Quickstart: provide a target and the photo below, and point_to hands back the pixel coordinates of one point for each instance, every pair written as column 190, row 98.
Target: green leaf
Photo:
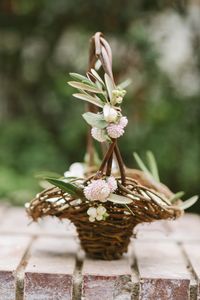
column 176, row 196
column 103, row 97
column 98, row 64
column 95, row 120
column 118, row 199
column 96, row 101
column 109, row 85
column 105, row 216
column 82, row 79
column 70, row 178
column 141, row 164
column 188, row 203
column 124, row 84
column 92, row 84
column 153, row 165
column 78, row 76
column 85, row 87
column 156, row 198
column 65, row 186
column 96, row 75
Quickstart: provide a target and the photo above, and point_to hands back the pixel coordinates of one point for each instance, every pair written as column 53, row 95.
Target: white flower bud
column 117, row 96
column 98, row 213
column 91, row 219
column 110, row 114
column 92, row 212
column 101, row 210
column 76, row 170
column 119, row 99
column 99, row 217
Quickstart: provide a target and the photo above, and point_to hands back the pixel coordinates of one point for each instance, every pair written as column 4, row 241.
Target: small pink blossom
column 115, row 131
column 112, row 183
column 123, row 122
column 97, row 190
column 98, row 134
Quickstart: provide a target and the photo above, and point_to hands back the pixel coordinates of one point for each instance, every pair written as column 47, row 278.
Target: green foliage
column 118, row 199
column 95, row 120
column 67, row 187
column 176, row 196
column 141, row 165
column 190, row 202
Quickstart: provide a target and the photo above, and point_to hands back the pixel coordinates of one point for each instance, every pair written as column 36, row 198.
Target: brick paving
column 44, row 262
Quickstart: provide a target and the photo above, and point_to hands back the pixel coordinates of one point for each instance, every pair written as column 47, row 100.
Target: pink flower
column 98, row 134
column 115, row 131
column 123, row 122
column 112, row 183
column 97, row 190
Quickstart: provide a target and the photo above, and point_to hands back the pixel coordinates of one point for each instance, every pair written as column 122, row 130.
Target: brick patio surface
column 44, row 262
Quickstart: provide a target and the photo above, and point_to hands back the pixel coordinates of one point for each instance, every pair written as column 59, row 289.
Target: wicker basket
column 106, row 239
column 110, row 238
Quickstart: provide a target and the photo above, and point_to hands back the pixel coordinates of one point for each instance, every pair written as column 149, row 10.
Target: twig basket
column 133, row 200
column 107, row 239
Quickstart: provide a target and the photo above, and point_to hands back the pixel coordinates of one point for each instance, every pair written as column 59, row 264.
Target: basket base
column 105, row 254
column 106, row 242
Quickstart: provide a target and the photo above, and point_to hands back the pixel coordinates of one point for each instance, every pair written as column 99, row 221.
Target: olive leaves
column 95, row 120
column 188, row 203
column 85, row 87
column 67, row 187
column 94, row 100
column 152, row 170
column 118, row 199
column 91, row 90
column 109, row 85
column 103, row 93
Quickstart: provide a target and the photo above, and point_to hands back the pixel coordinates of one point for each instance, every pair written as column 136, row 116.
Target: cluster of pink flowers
column 100, row 189
column 113, row 130
column 116, row 130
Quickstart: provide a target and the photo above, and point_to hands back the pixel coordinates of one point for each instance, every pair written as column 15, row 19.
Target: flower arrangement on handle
column 106, row 205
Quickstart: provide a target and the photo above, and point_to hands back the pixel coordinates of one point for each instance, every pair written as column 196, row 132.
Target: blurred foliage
column 40, row 123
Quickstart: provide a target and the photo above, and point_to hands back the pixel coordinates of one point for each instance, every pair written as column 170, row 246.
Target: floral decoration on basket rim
column 107, row 202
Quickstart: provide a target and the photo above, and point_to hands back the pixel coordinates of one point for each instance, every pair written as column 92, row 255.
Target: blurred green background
column 155, row 43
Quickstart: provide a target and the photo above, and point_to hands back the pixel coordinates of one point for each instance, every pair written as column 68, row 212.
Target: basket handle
column 101, row 50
